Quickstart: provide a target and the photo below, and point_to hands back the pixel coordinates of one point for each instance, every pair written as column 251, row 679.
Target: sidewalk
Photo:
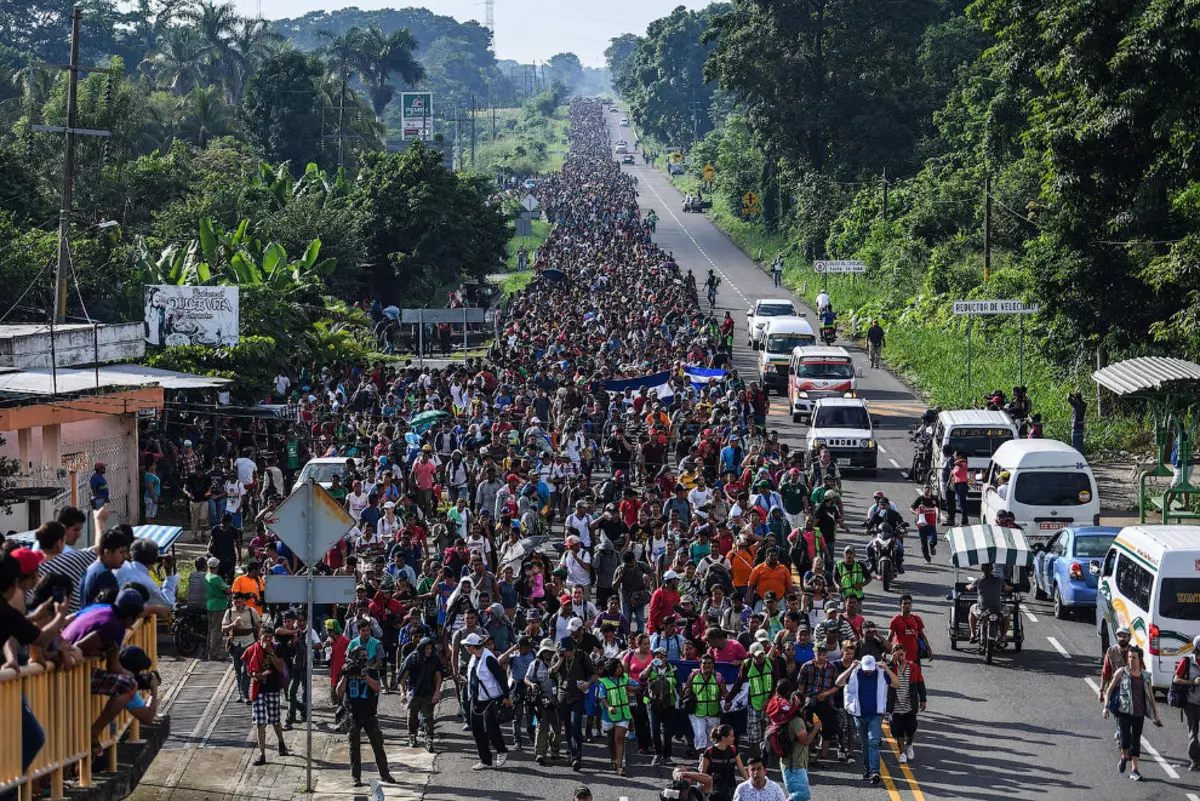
column 208, row 755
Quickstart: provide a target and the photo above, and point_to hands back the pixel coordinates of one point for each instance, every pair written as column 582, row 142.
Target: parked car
column 1064, row 570
column 322, row 470
column 624, row 122
column 530, row 184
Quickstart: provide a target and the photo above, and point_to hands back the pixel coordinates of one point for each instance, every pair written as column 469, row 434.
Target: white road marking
column 895, row 464
column 882, row 449
column 1092, row 683
column 1162, row 763
column 1193, row 797
column 1058, row 647
column 1030, row 615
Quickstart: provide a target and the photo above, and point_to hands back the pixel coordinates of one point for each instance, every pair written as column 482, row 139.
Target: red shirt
column 906, row 631
column 732, row 652
column 629, row 511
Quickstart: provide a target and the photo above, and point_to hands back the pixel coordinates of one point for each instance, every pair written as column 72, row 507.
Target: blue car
column 1063, row 571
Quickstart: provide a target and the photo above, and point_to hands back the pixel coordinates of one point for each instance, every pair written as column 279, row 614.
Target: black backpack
column 658, row 690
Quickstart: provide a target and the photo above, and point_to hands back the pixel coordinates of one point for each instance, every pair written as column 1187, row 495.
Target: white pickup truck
column 758, row 315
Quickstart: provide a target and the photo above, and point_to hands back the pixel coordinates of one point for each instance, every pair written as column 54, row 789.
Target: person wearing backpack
column 759, row 673
column 662, row 699
column 802, row 731
column 1185, row 693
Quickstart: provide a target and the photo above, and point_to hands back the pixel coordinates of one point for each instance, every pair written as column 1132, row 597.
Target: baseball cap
column 213, row 563
column 187, row 443
column 868, row 663
column 821, row 646
column 832, row 606
column 582, row 792
column 28, row 559
column 762, row 636
column 129, row 602
column 1125, row 630
column 568, row 645
column 472, row 640
column 757, row 649
column 135, row 660
column 575, row 625
column 670, row 575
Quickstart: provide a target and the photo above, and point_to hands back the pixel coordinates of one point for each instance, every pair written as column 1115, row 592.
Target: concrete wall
column 27, row 347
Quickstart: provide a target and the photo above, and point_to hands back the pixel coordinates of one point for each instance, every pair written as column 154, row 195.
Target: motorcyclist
column 828, row 319
column 887, row 523
column 989, row 589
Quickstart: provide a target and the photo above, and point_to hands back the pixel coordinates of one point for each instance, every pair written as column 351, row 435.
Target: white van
column 781, row 336
column 976, row 434
column 1150, row 582
column 1050, row 486
column 819, row 372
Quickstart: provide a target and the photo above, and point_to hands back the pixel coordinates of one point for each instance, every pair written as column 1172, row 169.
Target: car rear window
column 1052, row 488
column 1093, row 546
column 1179, row 598
column 775, row 310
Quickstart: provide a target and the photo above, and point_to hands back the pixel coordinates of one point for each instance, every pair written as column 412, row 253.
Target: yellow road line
column 893, row 793
column 904, row 768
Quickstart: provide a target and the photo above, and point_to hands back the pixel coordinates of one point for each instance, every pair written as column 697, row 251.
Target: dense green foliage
column 1082, row 113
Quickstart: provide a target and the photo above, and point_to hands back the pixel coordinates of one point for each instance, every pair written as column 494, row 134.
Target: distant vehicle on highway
column 627, row 158
column 1068, row 569
column 624, row 122
column 322, row 470
column 614, row 109
column 530, row 184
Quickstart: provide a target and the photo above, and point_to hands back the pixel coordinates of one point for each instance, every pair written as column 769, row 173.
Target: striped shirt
column 904, row 700
column 72, row 564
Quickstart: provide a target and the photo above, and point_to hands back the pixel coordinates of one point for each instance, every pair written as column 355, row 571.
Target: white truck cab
column 816, row 372
column 781, row 336
column 976, row 434
column 758, row 315
column 844, row 427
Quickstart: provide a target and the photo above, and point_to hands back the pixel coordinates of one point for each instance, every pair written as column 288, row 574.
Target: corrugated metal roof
column 1145, row 374
column 80, row 379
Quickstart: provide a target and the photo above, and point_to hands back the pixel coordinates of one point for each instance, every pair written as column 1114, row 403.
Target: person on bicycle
column 989, row 588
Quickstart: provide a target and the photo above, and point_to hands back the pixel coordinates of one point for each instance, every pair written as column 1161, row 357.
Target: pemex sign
column 416, row 115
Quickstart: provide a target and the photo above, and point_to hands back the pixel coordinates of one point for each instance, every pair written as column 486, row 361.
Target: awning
column 80, row 379
column 163, row 536
column 1145, row 374
column 977, row 545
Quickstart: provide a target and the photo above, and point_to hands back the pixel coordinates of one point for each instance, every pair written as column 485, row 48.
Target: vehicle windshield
column 842, row 417
column 322, row 473
column 1053, row 488
column 775, row 310
column 978, row 443
column 1093, row 546
column 1179, row 598
column 786, row 343
column 825, row 370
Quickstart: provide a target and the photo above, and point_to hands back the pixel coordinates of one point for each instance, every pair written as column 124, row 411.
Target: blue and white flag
column 699, row 376
column 658, row 382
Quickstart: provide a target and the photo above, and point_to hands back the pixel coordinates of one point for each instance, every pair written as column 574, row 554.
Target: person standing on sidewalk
column 358, row 690
column 875, row 338
column 216, row 601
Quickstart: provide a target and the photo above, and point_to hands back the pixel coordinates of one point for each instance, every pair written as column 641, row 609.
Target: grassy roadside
column 540, row 230
column 928, row 347
column 515, row 283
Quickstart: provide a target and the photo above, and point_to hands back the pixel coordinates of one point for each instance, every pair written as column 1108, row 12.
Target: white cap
column 472, row 640
column 868, row 663
column 389, row 505
column 575, row 625
column 669, row 575
column 757, row 649
column 535, row 420
column 187, row 443
column 762, row 636
column 573, row 540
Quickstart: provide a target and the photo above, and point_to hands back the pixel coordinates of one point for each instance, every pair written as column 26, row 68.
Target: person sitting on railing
column 98, row 630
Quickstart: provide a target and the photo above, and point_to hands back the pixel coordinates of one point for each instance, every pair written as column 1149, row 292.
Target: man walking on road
column 487, row 691
column 874, row 342
column 867, row 685
column 777, row 270
column 758, row 787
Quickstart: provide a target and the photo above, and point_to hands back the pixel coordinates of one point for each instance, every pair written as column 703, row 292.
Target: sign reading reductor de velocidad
column 994, row 307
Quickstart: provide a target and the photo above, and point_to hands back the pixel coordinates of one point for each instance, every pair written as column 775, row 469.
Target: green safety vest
column 293, row 454
column 762, row 681
column 708, row 695
column 616, row 694
column 851, row 580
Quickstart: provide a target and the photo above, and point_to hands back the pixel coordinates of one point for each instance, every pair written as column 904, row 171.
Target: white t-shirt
column 282, row 383
column 356, row 503
column 699, row 497
column 245, row 470
column 576, row 574
column 234, row 492
column 580, row 526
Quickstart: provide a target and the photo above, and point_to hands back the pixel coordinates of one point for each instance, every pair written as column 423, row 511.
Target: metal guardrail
column 63, row 703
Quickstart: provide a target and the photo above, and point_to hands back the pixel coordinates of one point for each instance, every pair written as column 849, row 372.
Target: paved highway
column 1026, row 727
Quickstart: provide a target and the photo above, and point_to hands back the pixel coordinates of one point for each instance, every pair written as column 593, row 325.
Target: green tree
column 618, row 52
column 380, row 57
column 280, row 110
column 567, row 69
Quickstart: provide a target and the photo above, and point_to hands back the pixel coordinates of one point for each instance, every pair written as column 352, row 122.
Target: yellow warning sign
column 750, row 204
column 676, row 157
column 709, row 173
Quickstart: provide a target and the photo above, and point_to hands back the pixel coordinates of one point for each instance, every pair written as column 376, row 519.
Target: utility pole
column 341, row 118
column 987, row 226
column 67, row 198
column 493, row 122
column 472, row 134
column 885, row 191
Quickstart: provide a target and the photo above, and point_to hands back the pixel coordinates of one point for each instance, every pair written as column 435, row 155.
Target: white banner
column 839, row 266
column 191, row 315
column 994, row 307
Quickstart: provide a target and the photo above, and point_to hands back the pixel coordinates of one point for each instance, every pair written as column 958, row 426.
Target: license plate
column 1051, row 526
column 843, row 462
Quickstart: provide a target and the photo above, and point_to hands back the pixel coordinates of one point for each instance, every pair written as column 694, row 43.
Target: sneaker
column 412, row 742
column 480, row 766
column 283, row 750
column 654, row 763
column 429, row 744
column 541, row 760
column 875, row 778
column 843, row 755
column 903, row 760
column 867, row 775
column 1121, row 765
column 262, row 760
column 577, row 765
column 501, row 760
column 1193, row 765
column 1135, row 776
column 466, row 727
column 908, row 752
column 387, row 778
column 359, row 783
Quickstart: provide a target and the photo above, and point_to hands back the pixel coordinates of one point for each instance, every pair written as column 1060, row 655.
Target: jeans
column 928, row 535
column 522, row 718
column 636, row 617
column 795, row 782
column 870, row 735
column 33, row 736
column 547, row 738
column 572, row 714
column 216, row 508
column 420, row 705
column 661, row 731
column 1077, row 439
column 371, row 727
column 239, row 670
column 778, row 277
column 960, row 497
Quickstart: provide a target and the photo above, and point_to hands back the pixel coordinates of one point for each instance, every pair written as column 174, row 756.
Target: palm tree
column 178, row 62
column 252, row 39
column 204, row 114
column 216, row 24
column 342, row 51
column 381, row 55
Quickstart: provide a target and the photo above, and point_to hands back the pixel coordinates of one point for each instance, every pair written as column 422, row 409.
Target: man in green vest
column 851, row 576
column 707, row 688
column 759, row 673
column 618, row 712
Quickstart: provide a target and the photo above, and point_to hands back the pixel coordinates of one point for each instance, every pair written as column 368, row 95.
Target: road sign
column 994, row 307
column 750, row 203
column 529, row 203
column 470, row 315
column 524, row 227
column 310, row 521
column 416, row 115
column 677, row 157
column 709, row 173
column 326, row 589
column 531, row 215
column 839, row 266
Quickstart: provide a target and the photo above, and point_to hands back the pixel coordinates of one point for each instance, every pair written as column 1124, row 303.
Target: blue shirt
column 99, row 485
column 804, row 653
column 97, row 578
column 867, row 686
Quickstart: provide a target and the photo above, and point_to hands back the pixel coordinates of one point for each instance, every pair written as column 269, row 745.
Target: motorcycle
column 828, row 334
column 884, row 550
column 922, row 462
column 992, row 635
column 189, row 629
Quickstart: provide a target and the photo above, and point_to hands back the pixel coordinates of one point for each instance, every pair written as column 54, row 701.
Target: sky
column 526, row 30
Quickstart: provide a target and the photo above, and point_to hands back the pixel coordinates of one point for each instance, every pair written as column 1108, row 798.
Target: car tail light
column 1153, row 640
column 1076, row 571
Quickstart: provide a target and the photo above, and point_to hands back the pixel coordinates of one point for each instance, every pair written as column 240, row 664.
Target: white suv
column 844, row 427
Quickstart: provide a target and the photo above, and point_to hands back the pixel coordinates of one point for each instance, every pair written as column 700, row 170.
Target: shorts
column 904, row 725
column 828, row 716
column 979, row 611
column 607, row 725
column 151, row 509
column 106, row 683
column 265, row 709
